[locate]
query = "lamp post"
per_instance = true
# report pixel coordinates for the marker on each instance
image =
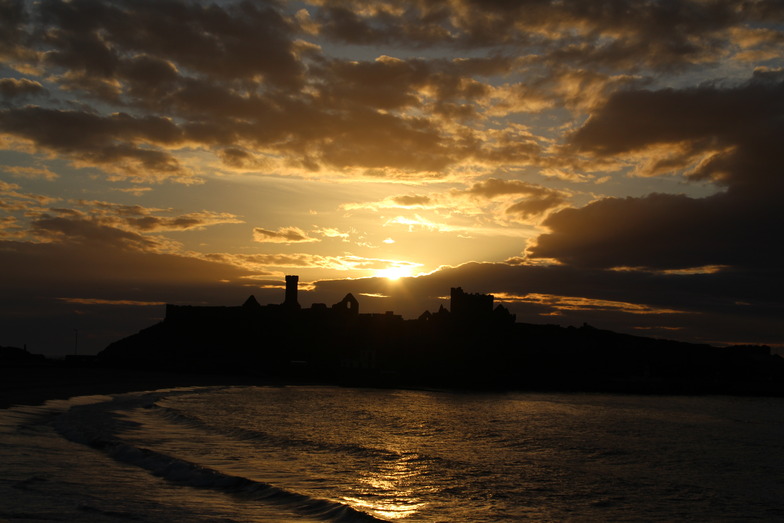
(76, 342)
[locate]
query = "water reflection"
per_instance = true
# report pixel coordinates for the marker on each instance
(393, 490)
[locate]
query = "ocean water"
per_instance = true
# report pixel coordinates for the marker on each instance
(338, 454)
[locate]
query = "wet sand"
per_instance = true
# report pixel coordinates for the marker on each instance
(34, 385)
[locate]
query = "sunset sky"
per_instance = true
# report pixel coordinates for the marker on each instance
(617, 163)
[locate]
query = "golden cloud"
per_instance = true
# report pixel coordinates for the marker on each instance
(282, 235)
(573, 303)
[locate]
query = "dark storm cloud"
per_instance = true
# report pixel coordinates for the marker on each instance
(674, 231)
(68, 261)
(241, 80)
(536, 205)
(236, 77)
(538, 199)
(47, 284)
(362, 138)
(723, 133)
(104, 260)
(117, 226)
(54, 129)
(660, 231)
(146, 220)
(336, 127)
(493, 187)
(415, 23)
(240, 159)
(708, 115)
(241, 75)
(88, 232)
(19, 88)
(389, 83)
(617, 34)
(236, 41)
(111, 142)
(13, 19)
(726, 306)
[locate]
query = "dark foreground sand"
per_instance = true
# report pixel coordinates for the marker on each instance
(34, 385)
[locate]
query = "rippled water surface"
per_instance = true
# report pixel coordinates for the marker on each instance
(324, 453)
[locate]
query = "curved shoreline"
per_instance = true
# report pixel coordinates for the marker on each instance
(34, 385)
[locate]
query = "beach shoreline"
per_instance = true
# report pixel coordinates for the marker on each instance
(25, 384)
(34, 385)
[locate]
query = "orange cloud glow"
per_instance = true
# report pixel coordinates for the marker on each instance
(589, 159)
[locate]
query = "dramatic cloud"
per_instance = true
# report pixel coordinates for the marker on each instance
(19, 88)
(239, 41)
(20, 203)
(660, 231)
(668, 231)
(98, 301)
(136, 217)
(492, 198)
(606, 161)
(88, 232)
(258, 262)
(331, 232)
(282, 235)
(120, 144)
(412, 200)
(62, 285)
(240, 81)
(29, 172)
(625, 35)
(115, 224)
(242, 160)
(536, 206)
(262, 262)
(706, 117)
(708, 307)
(538, 199)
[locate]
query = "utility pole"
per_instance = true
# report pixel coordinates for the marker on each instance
(76, 342)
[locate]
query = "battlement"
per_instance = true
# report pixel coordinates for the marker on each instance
(465, 305)
(292, 283)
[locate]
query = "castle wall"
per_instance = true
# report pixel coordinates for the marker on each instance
(291, 291)
(464, 305)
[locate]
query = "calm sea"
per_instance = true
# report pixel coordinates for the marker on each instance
(339, 454)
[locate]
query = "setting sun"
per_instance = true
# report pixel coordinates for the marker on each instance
(378, 248)
(462, 143)
(395, 273)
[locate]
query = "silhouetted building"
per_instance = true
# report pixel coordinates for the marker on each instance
(464, 305)
(291, 292)
(251, 303)
(501, 313)
(348, 305)
(475, 344)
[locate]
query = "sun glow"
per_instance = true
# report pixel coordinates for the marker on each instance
(395, 273)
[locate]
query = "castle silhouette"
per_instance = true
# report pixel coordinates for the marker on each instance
(474, 344)
(463, 306)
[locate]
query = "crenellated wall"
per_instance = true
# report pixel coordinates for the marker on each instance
(465, 305)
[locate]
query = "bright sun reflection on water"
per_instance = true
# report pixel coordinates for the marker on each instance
(389, 491)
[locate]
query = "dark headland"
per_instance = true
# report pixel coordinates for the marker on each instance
(473, 345)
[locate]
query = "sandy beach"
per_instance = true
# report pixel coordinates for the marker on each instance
(34, 385)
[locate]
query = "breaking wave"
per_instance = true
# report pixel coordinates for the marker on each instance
(96, 425)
